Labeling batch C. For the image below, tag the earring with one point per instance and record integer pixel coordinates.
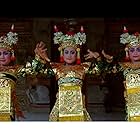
(126, 55)
(61, 55)
(13, 58)
(78, 56)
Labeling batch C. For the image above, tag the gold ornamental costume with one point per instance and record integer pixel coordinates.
(70, 102)
(9, 106)
(69, 105)
(132, 92)
(131, 74)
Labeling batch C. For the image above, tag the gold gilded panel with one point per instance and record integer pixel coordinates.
(133, 80)
(70, 101)
(5, 99)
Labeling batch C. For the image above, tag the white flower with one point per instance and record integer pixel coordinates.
(10, 39)
(79, 38)
(58, 37)
(123, 41)
(126, 38)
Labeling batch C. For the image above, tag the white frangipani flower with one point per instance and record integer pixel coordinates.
(10, 39)
(78, 38)
(126, 38)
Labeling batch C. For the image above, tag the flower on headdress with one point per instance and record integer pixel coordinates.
(78, 38)
(12, 38)
(126, 38)
(132, 40)
(9, 39)
(58, 37)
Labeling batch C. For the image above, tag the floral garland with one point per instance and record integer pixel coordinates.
(126, 38)
(78, 38)
(10, 38)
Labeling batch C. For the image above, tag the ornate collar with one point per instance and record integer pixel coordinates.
(130, 65)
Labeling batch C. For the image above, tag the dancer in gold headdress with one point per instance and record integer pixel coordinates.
(131, 71)
(69, 74)
(9, 73)
(8, 102)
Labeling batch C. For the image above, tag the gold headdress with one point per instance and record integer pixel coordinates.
(129, 40)
(9, 41)
(70, 39)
